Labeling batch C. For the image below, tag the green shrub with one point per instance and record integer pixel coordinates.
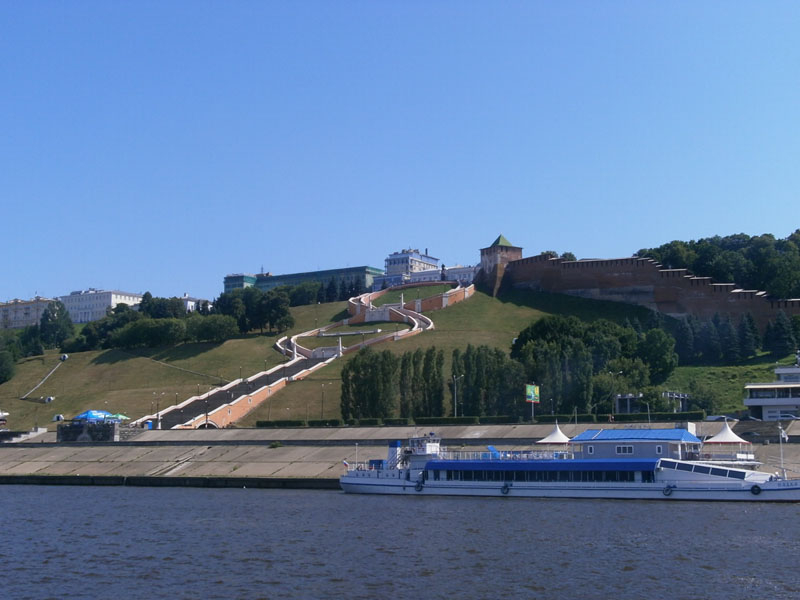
(447, 420)
(695, 415)
(325, 423)
(398, 422)
(583, 418)
(286, 423)
(499, 419)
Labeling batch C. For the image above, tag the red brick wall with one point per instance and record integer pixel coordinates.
(642, 281)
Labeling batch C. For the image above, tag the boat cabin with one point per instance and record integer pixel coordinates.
(636, 443)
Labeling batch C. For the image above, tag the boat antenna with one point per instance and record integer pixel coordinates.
(782, 437)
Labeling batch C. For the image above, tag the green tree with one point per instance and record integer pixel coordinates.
(782, 340)
(213, 328)
(684, 342)
(278, 314)
(369, 385)
(331, 291)
(729, 340)
(405, 385)
(305, 293)
(657, 351)
(748, 336)
(7, 366)
(417, 398)
(55, 326)
(30, 341)
(231, 304)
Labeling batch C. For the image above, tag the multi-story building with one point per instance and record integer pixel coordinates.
(408, 266)
(776, 400)
(239, 280)
(410, 261)
(92, 304)
(22, 313)
(360, 276)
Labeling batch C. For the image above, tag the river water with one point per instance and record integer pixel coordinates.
(121, 542)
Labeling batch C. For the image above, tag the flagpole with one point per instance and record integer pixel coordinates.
(780, 439)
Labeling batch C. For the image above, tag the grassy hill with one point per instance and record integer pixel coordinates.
(118, 381)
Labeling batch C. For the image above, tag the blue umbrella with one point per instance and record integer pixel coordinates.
(92, 415)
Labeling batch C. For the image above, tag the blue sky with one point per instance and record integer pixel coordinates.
(162, 145)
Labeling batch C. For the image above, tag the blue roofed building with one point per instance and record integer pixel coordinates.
(676, 443)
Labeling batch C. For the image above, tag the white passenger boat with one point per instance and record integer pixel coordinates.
(665, 464)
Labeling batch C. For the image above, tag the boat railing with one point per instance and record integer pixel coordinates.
(717, 456)
(504, 455)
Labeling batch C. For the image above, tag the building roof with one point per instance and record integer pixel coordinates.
(619, 435)
(502, 241)
(554, 437)
(726, 436)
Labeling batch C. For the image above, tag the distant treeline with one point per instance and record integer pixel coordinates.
(157, 321)
(758, 262)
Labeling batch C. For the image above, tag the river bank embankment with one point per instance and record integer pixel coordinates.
(311, 458)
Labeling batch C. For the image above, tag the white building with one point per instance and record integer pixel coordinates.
(191, 304)
(92, 305)
(409, 261)
(779, 399)
(464, 275)
(17, 314)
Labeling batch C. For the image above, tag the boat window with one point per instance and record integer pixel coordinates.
(719, 472)
(667, 464)
(659, 450)
(624, 449)
(647, 477)
(684, 467)
(702, 469)
(736, 474)
(590, 449)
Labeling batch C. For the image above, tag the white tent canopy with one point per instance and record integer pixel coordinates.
(554, 437)
(726, 436)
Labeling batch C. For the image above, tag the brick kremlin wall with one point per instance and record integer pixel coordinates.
(642, 281)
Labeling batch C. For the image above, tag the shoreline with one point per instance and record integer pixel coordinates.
(287, 483)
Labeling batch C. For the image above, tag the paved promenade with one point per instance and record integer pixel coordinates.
(301, 454)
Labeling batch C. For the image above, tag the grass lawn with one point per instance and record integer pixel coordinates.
(131, 383)
(413, 293)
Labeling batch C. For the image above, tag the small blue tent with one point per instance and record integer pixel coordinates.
(92, 416)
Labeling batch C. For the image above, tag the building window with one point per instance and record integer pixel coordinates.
(590, 449)
(627, 450)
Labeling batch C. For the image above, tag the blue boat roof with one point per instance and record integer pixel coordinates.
(617, 435)
(579, 464)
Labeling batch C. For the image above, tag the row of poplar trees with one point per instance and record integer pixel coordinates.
(485, 381)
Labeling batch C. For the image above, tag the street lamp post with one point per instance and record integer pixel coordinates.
(455, 394)
(322, 406)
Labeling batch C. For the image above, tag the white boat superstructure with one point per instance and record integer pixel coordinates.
(620, 464)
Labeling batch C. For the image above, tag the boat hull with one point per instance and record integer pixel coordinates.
(778, 491)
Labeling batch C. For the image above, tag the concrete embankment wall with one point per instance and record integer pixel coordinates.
(271, 458)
